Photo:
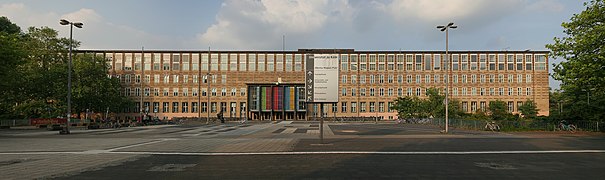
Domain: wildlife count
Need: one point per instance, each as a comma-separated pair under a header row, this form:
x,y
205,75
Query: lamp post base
x,y
64,131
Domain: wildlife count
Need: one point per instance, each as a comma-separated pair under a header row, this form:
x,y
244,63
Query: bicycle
x,y
491,126
567,127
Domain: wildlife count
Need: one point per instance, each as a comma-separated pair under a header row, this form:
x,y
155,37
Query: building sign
x,y
321,78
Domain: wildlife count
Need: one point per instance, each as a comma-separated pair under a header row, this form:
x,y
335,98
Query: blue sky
x,y
260,24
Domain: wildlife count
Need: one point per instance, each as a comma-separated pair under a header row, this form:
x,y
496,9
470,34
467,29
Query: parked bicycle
x,y
492,126
564,126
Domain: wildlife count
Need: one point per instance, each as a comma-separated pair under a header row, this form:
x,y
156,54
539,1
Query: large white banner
x,y
322,78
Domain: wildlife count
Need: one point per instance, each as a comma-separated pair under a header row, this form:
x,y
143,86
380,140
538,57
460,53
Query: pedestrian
x,y
219,115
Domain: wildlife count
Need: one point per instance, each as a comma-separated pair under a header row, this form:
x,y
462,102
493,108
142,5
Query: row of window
x,y
183,107
352,62
184,92
483,78
474,91
364,107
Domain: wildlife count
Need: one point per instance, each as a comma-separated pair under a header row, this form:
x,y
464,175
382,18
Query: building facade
x,y
270,84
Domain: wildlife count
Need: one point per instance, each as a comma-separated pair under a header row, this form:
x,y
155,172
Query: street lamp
x,y
447,82
208,95
71,27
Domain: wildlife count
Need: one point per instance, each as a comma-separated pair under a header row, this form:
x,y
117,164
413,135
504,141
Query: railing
x,y
14,122
520,125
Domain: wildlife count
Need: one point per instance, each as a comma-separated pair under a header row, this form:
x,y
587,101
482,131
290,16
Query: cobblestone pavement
x,y
285,146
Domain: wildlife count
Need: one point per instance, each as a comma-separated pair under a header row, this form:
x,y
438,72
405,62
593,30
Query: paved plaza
x,y
293,150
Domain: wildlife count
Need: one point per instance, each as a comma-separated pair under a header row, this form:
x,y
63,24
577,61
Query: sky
x,y
263,24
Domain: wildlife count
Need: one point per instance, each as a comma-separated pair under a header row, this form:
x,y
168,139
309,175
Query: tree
x,y
12,56
407,107
8,27
529,109
498,110
582,73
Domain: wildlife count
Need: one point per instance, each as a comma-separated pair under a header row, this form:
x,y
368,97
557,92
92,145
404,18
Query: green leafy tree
x,y
8,27
12,56
529,109
407,107
582,73
498,110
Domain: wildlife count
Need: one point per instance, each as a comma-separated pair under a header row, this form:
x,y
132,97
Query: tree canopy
x,y
33,76
582,74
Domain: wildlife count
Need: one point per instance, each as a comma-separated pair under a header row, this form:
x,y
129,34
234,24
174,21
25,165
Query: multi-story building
x,y
270,84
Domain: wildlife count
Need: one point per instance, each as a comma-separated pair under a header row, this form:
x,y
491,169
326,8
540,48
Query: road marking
x,y
112,151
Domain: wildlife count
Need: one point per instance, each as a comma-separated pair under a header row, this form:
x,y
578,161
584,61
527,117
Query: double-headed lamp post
x,y
71,27
447,82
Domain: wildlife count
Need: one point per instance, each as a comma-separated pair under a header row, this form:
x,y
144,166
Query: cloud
x,y
97,32
256,24
547,6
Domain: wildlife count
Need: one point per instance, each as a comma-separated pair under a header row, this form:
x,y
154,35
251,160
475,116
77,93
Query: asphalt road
x,y
293,151
356,166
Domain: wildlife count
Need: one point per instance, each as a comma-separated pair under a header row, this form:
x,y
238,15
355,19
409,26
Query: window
x,y
540,62
492,62
353,92
252,62
137,92
437,62
371,91
418,62
510,91
165,92
528,78
353,62
399,92
343,78
344,62
175,79
194,92
381,92
242,62
501,91
185,107
194,107
185,92
519,62
362,107
185,78
233,92
343,106
156,91
464,78
418,91
372,107
362,92
175,92
343,92
528,91
353,79
165,107
242,92
380,106
175,107
362,79
353,107
409,79
409,92
391,78
418,80
427,78
156,78
224,92
427,62
224,59
473,62
399,79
